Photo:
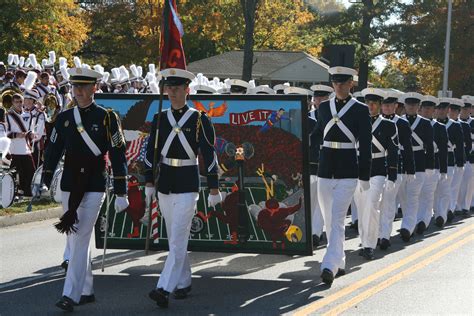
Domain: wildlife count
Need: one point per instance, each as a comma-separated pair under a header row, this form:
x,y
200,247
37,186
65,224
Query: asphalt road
x,y
431,275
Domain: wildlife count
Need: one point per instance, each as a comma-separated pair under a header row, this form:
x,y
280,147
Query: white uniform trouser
x,y
467,188
178,211
354,211
67,249
79,280
389,209
368,204
335,196
455,187
425,208
317,221
443,195
409,194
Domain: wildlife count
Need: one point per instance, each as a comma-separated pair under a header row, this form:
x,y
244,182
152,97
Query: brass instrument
x,y
51,107
7,96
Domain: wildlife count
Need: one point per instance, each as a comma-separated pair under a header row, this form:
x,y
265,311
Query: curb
x,y
22,218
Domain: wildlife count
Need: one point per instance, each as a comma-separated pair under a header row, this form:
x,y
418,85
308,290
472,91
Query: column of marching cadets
x,y
384,154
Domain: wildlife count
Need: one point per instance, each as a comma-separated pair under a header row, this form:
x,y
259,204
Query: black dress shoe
x,y
86,299
368,253
384,244
457,213
66,304
160,296
405,234
64,265
439,221
420,228
316,241
180,294
465,213
355,226
340,272
472,208
327,276
450,217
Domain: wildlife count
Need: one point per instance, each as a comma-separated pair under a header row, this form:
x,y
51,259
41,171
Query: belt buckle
x,y
80,128
175,162
335,145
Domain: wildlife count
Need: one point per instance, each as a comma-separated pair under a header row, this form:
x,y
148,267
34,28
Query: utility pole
x,y
446,50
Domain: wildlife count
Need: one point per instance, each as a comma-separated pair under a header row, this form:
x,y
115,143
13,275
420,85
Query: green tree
x,y
33,26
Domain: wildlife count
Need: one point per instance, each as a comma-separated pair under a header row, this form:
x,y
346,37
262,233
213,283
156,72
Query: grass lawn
x,y
20,207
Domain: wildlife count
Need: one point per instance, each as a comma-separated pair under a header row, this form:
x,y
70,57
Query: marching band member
x,y
383,173
467,184
182,132
423,151
44,87
342,122
406,167
321,93
84,134
440,145
19,130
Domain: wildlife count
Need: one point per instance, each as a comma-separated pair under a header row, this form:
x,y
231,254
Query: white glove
x,y
121,203
390,185
443,176
430,172
149,192
364,185
410,177
313,180
214,199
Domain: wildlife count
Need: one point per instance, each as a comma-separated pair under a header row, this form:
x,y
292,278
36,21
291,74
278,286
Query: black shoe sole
x,y
405,234
68,307
327,278
160,299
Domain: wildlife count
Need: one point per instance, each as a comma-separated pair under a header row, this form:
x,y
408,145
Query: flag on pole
x,y
171,46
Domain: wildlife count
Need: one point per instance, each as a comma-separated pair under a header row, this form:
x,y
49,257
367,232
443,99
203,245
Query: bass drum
x,y
7,189
55,190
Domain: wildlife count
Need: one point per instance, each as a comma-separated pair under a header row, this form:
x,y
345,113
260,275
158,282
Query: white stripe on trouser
x,y
335,197
178,211
79,279
368,205
389,208
409,194
354,211
425,208
467,188
455,187
317,221
443,196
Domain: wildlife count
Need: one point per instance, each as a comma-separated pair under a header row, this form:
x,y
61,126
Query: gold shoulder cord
x,y
109,127
198,126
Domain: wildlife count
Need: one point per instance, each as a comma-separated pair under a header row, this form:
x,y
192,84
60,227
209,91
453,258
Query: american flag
x,y
142,155
134,148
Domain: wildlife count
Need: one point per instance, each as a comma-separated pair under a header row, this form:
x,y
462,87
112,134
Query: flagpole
x,y
163,42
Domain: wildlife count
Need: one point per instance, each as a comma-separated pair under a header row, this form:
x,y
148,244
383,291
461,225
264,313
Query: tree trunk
x,y
364,39
248,7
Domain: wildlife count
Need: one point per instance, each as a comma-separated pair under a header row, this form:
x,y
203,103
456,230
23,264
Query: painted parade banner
x,y
263,168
